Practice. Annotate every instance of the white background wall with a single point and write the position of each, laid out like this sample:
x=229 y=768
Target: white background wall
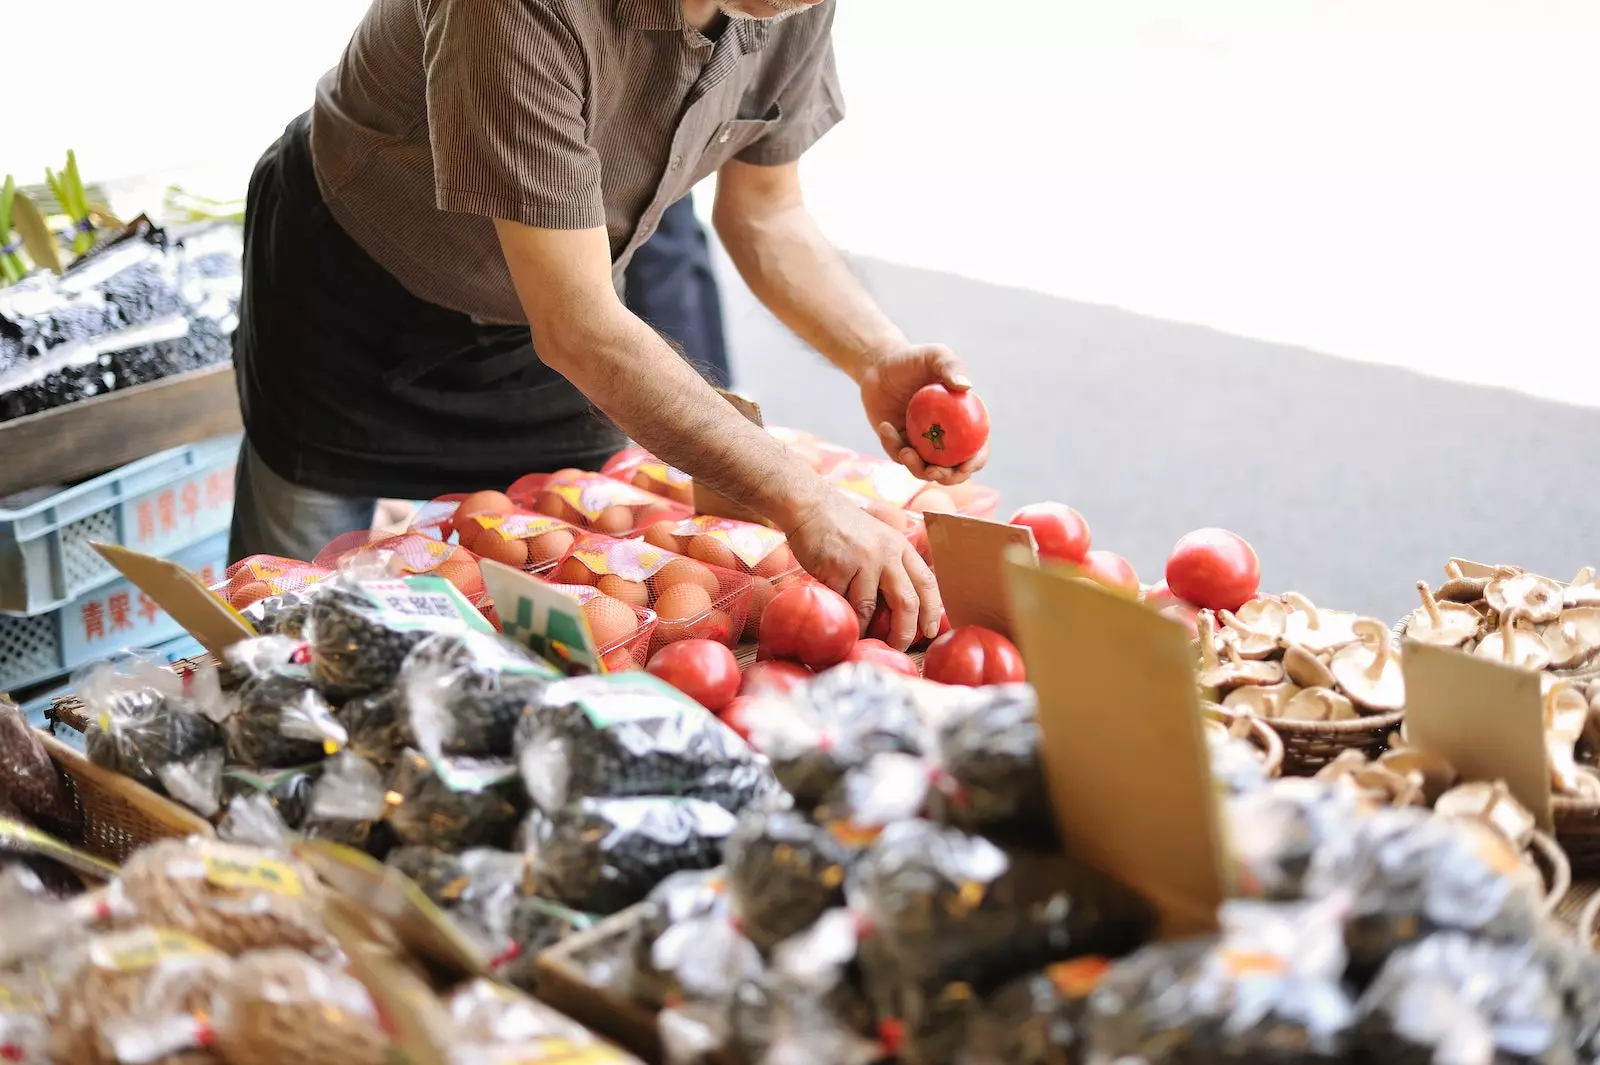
x=1409 y=181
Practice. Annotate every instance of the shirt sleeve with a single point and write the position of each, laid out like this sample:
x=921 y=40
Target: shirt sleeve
x=506 y=86
x=810 y=103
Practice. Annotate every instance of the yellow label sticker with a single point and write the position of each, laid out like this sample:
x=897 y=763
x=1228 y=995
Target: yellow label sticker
x=16 y=1000
x=559 y=1051
x=629 y=559
x=253 y=874
x=136 y=951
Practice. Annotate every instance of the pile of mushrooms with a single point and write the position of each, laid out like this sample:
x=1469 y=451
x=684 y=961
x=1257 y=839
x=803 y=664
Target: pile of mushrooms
x=1513 y=616
x=1286 y=659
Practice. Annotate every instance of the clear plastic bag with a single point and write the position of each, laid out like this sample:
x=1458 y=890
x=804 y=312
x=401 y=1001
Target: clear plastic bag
x=989 y=778
x=602 y=855
x=783 y=873
x=454 y=804
x=348 y=803
x=280 y=1006
x=271 y=709
x=623 y=735
x=1274 y=833
x=678 y=898
x=379 y=726
x=141 y=720
x=467 y=691
x=495 y=1025
x=442 y=876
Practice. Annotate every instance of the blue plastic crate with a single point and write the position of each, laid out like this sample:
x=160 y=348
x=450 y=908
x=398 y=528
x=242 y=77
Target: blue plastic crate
x=102 y=622
x=157 y=505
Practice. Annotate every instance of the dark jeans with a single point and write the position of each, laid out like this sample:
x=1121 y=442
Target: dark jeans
x=670 y=284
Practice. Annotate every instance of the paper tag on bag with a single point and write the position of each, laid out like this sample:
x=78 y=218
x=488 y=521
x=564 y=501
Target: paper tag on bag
x=1124 y=751
x=543 y=618
x=215 y=624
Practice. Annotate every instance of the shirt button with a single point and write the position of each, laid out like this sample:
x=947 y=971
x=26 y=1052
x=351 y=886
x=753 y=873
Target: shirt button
x=677 y=162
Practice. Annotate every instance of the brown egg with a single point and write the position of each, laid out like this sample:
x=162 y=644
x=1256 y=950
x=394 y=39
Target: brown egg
x=511 y=552
x=552 y=504
x=685 y=571
x=468 y=533
x=249 y=592
x=484 y=503
x=461 y=571
x=620 y=660
x=713 y=552
x=615 y=520
x=609 y=620
x=661 y=535
x=573 y=571
x=933 y=501
x=549 y=547
x=760 y=596
x=682 y=601
x=778 y=562
x=634 y=593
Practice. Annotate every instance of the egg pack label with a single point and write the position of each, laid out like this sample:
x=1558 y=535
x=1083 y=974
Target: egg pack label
x=750 y=544
x=433 y=603
x=876 y=480
x=593 y=494
x=513 y=526
x=630 y=559
x=278 y=574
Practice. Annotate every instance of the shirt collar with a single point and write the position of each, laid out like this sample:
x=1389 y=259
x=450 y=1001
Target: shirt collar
x=668 y=15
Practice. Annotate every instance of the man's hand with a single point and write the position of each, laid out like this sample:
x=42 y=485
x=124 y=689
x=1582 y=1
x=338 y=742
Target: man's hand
x=863 y=559
x=887 y=386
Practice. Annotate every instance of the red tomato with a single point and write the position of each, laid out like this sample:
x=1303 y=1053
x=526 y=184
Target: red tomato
x=1214 y=569
x=973 y=656
x=878 y=628
x=879 y=653
x=732 y=715
x=704 y=670
x=1060 y=531
x=1111 y=570
x=775 y=678
x=809 y=623
x=1185 y=614
x=1158 y=595
x=946 y=428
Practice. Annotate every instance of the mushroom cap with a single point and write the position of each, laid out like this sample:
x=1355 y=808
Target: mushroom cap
x=1369 y=672
x=1527 y=647
x=1305 y=668
x=1583 y=591
x=1251 y=642
x=1262 y=700
x=1491 y=804
x=1373 y=783
x=1318 y=704
x=1455 y=624
x=1236 y=673
x=1318 y=631
x=1435 y=772
x=1264 y=614
x=1573 y=638
x=1538 y=598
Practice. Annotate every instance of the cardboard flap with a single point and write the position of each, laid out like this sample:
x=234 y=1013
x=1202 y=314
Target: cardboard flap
x=1123 y=746
x=744 y=405
x=542 y=617
x=215 y=624
x=708 y=500
x=969 y=557
x=1485 y=718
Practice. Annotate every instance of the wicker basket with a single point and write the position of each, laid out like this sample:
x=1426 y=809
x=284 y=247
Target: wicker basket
x=1310 y=745
x=1551 y=861
x=1261 y=735
x=119 y=815
x=1577 y=824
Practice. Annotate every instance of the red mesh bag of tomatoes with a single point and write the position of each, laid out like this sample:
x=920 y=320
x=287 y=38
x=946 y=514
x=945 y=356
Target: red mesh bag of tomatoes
x=594 y=502
x=636 y=466
x=692 y=601
x=414 y=554
x=258 y=577
x=741 y=546
x=621 y=630
x=886 y=481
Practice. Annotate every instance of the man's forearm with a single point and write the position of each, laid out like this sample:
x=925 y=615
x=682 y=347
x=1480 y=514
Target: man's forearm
x=804 y=280
x=632 y=375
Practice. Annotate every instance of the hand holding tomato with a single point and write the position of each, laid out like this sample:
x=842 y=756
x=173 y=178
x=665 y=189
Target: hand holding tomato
x=973 y=656
x=887 y=387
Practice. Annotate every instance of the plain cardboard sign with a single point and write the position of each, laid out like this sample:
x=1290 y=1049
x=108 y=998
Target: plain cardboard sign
x=969 y=556
x=1123 y=747
x=1485 y=718
x=542 y=617
x=215 y=624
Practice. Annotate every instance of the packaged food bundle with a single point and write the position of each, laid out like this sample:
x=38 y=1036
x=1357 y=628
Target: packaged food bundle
x=259 y=577
x=832 y=724
x=141 y=995
x=627 y=734
x=622 y=632
x=944 y=907
x=710 y=963
x=783 y=873
x=144 y=724
x=466 y=691
x=450 y=804
x=677 y=899
x=29 y=779
x=882 y=480
x=495 y=1025
x=270 y=707
x=1451 y=997
x=1039 y=1019
x=277 y=1006
x=636 y=466
x=594 y=501
x=360 y=630
x=603 y=855
x=234 y=898
x=378 y=725
x=25 y=1020
x=1274 y=833
x=1406 y=873
x=691 y=599
x=261 y=806
x=988 y=778
x=533 y=926
x=529 y=542
x=741 y=546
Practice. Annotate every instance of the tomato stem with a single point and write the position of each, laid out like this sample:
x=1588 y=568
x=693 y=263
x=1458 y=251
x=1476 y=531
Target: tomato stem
x=935 y=436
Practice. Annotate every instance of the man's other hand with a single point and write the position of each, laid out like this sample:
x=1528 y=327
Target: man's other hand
x=887 y=386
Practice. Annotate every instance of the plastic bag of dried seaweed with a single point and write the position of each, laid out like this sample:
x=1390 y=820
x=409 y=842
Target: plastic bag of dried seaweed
x=783 y=873
x=819 y=732
x=454 y=803
x=271 y=708
x=378 y=726
x=1274 y=833
x=142 y=722
x=286 y=791
x=348 y=804
x=602 y=855
x=1039 y=1019
x=988 y=778
x=284 y=614
x=467 y=691
x=677 y=898
x=629 y=734
x=360 y=630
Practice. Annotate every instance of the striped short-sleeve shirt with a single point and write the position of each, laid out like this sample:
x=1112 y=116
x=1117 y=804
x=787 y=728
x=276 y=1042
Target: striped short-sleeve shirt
x=443 y=115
